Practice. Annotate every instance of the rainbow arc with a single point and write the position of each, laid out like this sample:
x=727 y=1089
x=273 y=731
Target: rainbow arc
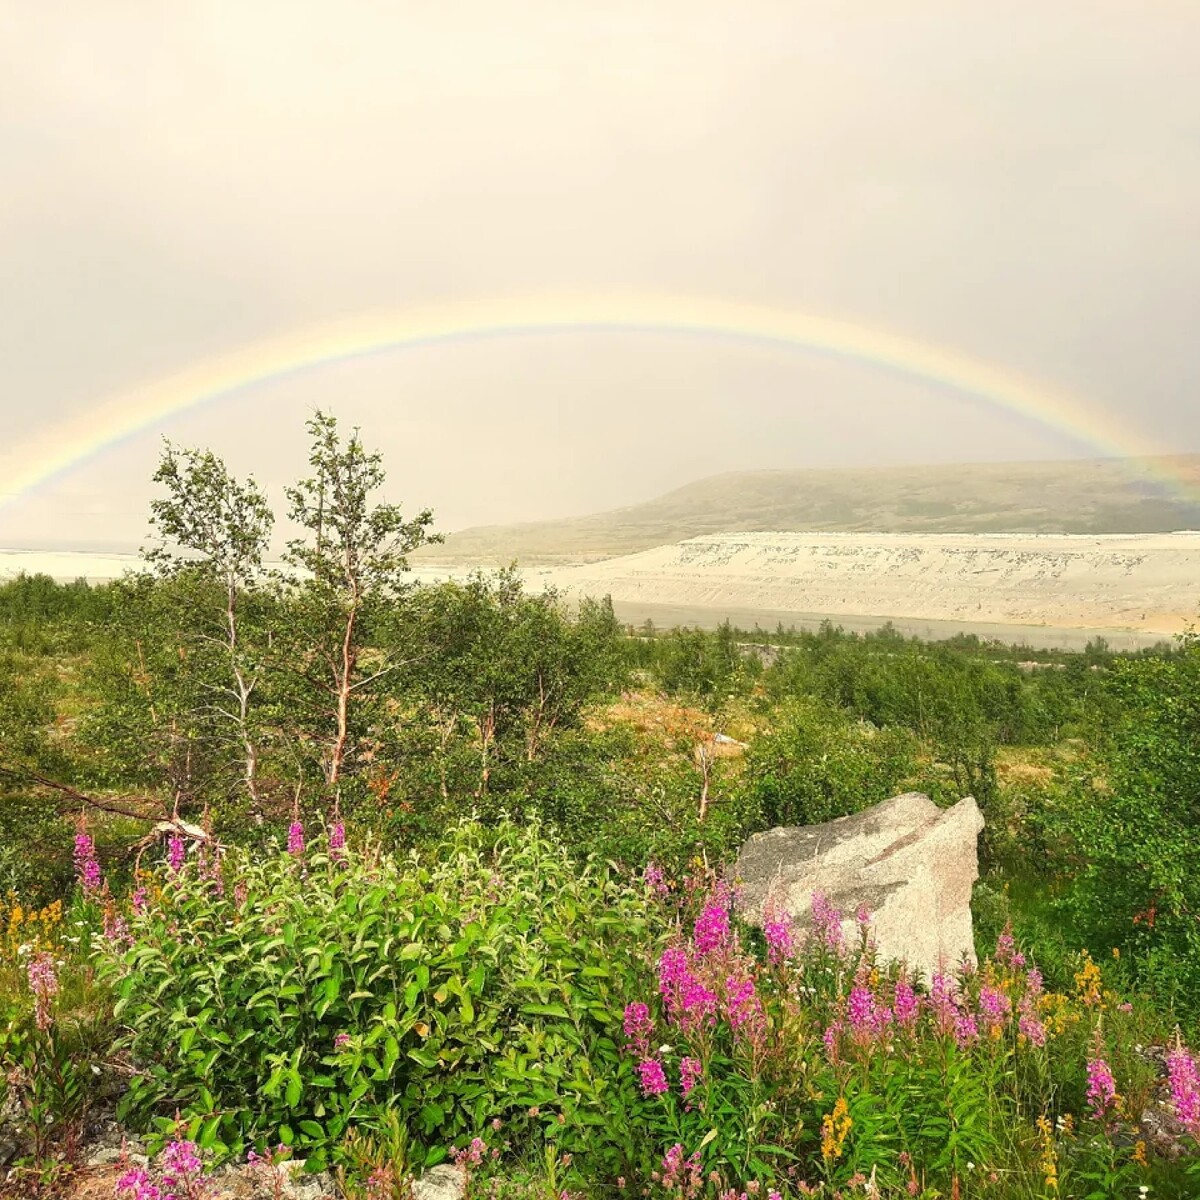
x=77 y=440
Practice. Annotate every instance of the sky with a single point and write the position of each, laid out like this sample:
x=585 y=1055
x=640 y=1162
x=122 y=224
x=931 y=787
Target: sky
x=1009 y=180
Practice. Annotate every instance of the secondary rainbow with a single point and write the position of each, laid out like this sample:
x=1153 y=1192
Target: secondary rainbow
x=105 y=424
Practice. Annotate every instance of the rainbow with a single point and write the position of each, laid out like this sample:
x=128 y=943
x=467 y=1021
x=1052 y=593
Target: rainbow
x=105 y=424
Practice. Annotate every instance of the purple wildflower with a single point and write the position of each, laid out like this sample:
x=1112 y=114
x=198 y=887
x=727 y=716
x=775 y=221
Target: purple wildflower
x=1102 y=1088
x=43 y=982
x=138 y=900
x=942 y=1002
x=994 y=1007
x=741 y=1002
x=1184 y=1080
x=87 y=869
x=655 y=880
x=654 y=1078
x=176 y=853
x=828 y=921
x=136 y=1184
x=471 y=1155
x=691 y=1071
x=831 y=1037
x=905 y=1004
x=296 y=839
x=1031 y=1027
x=681 y=1174
x=711 y=928
x=777 y=929
x=337 y=841
x=181 y=1168
x=341 y=1041
x=966 y=1030
x=638 y=1025
x=116 y=929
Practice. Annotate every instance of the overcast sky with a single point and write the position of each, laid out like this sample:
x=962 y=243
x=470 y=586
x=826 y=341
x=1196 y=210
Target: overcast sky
x=1015 y=180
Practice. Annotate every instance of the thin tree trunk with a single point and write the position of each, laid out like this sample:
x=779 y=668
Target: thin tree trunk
x=344 y=683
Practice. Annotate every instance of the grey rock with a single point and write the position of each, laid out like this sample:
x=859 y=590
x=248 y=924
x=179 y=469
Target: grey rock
x=909 y=862
x=443 y=1182
x=298 y=1186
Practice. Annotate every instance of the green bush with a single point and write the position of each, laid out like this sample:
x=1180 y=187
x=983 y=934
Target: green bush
x=305 y=996
x=818 y=764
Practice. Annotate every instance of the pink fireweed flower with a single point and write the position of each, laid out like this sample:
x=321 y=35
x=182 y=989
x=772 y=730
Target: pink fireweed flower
x=828 y=922
x=742 y=1006
x=653 y=1077
x=687 y=1000
x=210 y=868
x=779 y=940
x=116 y=929
x=337 y=841
x=673 y=969
x=867 y=1019
x=906 y=1006
x=655 y=880
x=691 y=1071
x=831 y=1038
x=994 y=1007
x=1006 y=945
x=942 y=1002
x=1184 y=1079
x=1033 y=982
x=863 y=916
x=681 y=1174
x=638 y=1027
x=295 y=845
x=43 y=983
x=136 y=1184
x=1102 y=1088
x=181 y=1170
x=176 y=853
x=87 y=868
x=1029 y=1026
x=137 y=900
x=471 y=1155
x=711 y=929
x=341 y=1041
x=966 y=1030
x=697 y=1005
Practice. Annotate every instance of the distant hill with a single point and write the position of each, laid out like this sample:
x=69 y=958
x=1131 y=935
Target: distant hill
x=1081 y=496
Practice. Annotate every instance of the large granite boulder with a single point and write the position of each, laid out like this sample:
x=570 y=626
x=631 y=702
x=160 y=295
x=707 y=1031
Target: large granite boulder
x=909 y=862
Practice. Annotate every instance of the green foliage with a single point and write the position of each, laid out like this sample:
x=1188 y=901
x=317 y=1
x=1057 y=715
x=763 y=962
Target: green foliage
x=475 y=983
x=816 y=764
x=1136 y=836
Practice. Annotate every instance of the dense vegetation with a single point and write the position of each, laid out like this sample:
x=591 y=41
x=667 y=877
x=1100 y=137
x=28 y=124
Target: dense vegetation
x=309 y=856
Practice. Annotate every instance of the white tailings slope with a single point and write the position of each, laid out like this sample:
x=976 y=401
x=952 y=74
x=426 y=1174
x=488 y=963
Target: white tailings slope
x=1147 y=582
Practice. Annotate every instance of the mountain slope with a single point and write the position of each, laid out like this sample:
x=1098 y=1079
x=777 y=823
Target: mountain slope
x=1088 y=496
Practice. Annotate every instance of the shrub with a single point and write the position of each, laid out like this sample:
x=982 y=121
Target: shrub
x=294 y=997
x=818 y=764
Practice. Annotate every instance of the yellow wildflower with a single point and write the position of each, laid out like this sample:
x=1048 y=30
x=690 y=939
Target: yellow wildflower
x=1088 y=983
x=834 y=1128
x=1048 y=1158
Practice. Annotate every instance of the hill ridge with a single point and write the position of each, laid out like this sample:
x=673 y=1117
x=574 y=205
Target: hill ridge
x=1084 y=496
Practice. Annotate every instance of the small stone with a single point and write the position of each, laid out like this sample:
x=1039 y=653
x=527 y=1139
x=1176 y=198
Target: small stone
x=443 y=1182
